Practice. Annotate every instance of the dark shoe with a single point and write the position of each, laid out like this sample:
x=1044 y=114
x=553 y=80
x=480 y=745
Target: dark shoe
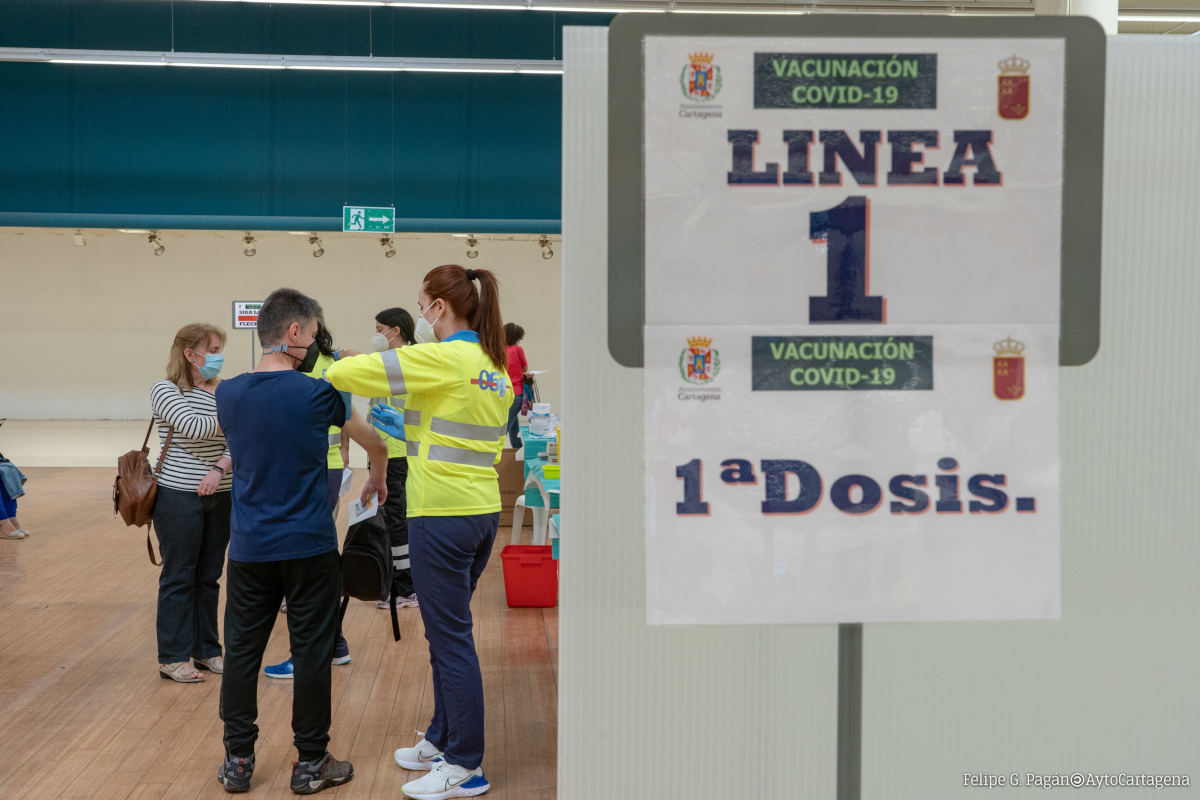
x=310 y=777
x=234 y=773
x=341 y=651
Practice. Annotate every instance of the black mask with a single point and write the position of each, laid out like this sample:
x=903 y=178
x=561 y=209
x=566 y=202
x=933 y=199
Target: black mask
x=306 y=364
x=310 y=358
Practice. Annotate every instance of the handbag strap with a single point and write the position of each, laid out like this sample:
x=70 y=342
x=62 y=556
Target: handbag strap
x=162 y=455
x=146 y=443
x=157 y=470
x=150 y=546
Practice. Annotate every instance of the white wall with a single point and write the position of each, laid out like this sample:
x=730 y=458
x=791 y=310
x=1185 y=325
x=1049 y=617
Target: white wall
x=86 y=331
x=750 y=712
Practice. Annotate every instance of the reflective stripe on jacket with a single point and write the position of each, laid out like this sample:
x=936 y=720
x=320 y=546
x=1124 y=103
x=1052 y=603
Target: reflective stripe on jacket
x=454 y=419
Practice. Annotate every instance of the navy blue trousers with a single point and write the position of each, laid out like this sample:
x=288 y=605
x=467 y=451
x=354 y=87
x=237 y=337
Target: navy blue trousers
x=448 y=555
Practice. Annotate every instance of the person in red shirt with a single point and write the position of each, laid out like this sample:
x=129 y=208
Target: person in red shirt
x=517 y=374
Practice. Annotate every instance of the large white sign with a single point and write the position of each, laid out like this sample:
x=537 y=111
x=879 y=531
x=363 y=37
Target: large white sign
x=852 y=324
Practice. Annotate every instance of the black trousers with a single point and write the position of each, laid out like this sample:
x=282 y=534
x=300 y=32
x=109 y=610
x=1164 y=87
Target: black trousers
x=313 y=587
x=193 y=534
x=395 y=516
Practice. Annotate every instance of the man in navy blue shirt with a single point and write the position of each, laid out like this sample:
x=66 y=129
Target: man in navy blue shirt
x=283 y=542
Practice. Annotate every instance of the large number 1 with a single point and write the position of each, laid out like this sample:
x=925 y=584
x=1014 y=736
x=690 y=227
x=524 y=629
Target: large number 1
x=691 y=474
x=846 y=229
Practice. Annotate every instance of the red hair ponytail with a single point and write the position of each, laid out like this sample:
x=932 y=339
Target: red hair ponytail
x=479 y=308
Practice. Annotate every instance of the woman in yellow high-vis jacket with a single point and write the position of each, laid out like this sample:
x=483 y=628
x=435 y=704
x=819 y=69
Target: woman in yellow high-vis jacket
x=454 y=423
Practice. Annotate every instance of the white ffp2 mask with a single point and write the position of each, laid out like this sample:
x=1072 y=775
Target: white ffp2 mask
x=424 y=333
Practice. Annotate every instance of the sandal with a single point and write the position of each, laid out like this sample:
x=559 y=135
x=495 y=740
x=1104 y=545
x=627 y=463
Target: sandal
x=215 y=665
x=182 y=672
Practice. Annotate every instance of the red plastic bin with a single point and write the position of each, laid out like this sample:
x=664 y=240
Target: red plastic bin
x=530 y=576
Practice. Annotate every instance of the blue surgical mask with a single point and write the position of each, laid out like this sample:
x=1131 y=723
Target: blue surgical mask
x=212 y=365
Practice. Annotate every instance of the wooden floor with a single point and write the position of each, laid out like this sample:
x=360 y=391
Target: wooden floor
x=83 y=712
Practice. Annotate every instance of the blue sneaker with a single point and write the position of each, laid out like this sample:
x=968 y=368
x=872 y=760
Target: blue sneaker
x=283 y=670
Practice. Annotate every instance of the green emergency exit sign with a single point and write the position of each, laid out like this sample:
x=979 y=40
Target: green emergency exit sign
x=363 y=219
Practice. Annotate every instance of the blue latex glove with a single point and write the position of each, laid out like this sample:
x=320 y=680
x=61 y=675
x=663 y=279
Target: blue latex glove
x=388 y=420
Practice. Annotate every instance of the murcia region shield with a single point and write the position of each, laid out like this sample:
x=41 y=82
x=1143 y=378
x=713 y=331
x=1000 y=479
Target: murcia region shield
x=1012 y=99
x=1008 y=370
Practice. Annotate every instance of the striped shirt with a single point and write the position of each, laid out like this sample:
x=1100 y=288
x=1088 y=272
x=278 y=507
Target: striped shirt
x=197 y=444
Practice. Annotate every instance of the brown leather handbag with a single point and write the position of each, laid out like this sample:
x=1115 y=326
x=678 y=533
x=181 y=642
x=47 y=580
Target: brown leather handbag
x=136 y=486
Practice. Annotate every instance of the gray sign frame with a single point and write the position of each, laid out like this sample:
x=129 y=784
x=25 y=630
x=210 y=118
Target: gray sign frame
x=1083 y=162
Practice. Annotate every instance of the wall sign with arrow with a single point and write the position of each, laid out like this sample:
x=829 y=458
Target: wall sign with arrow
x=364 y=219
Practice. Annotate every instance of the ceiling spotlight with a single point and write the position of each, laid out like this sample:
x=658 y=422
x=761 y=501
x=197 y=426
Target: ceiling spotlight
x=156 y=243
x=248 y=240
x=544 y=243
x=472 y=247
x=315 y=241
x=79 y=242
x=389 y=249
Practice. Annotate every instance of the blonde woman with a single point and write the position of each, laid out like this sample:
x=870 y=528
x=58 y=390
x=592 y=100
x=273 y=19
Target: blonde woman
x=191 y=512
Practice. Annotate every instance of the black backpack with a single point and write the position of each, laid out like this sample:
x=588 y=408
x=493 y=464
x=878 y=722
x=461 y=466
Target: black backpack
x=367 y=566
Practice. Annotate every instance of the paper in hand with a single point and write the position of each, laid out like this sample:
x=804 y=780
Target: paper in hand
x=347 y=474
x=359 y=512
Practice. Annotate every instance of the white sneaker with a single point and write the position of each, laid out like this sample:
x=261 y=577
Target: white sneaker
x=385 y=602
x=421 y=757
x=447 y=780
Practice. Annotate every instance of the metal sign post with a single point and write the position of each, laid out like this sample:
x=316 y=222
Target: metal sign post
x=245 y=317
x=849 y=712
